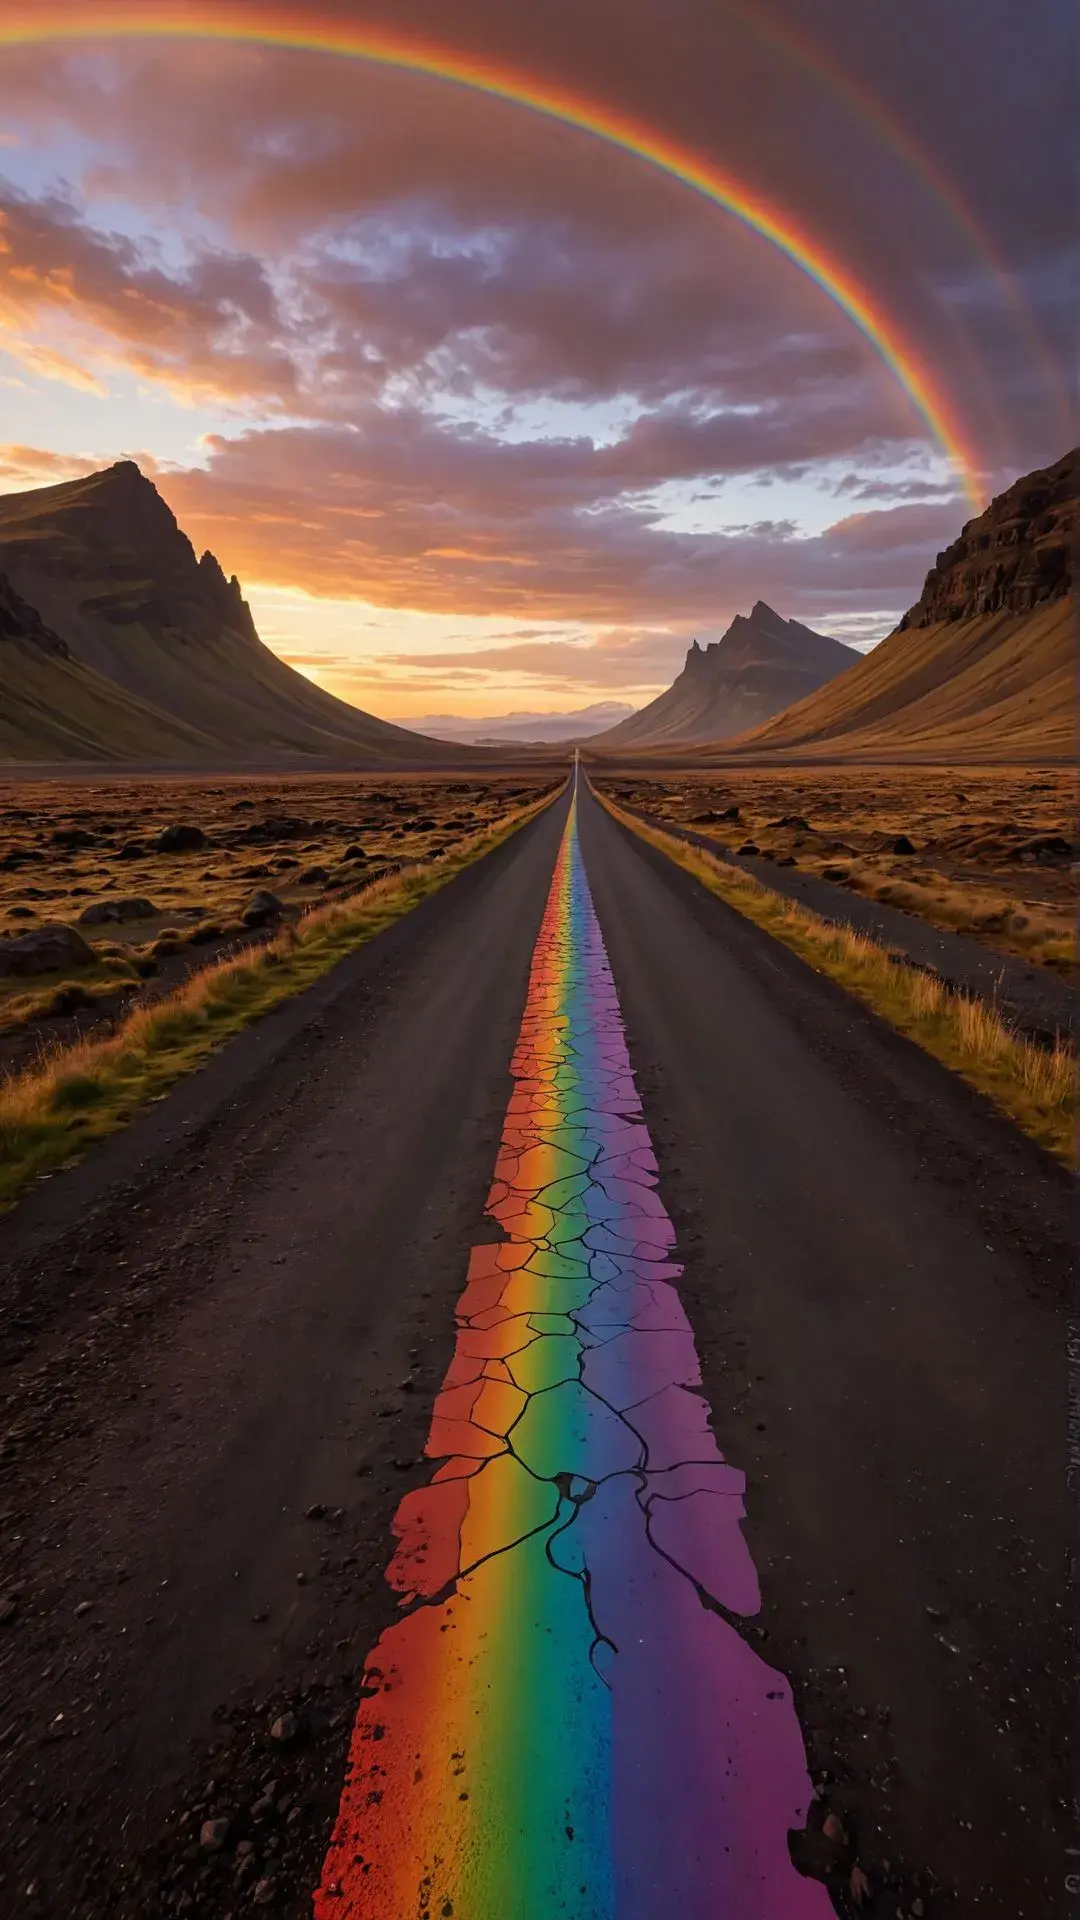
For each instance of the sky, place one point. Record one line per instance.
(488, 412)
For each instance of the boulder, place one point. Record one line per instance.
(278, 826)
(354, 853)
(73, 837)
(104, 913)
(47, 949)
(180, 839)
(261, 909)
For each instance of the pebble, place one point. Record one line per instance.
(833, 1829)
(861, 1889)
(263, 1892)
(213, 1835)
(284, 1729)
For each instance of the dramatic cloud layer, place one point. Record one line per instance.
(442, 357)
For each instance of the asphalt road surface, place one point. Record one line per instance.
(225, 1333)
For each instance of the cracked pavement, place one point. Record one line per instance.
(568, 1721)
(237, 1363)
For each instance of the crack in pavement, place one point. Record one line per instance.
(567, 1720)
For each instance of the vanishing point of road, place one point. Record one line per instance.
(564, 1421)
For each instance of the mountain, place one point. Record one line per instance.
(533, 729)
(118, 643)
(760, 666)
(984, 664)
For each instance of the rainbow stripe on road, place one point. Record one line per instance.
(565, 1725)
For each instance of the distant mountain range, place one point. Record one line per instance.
(117, 643)
(758, 668)
(520, 729)
(984, 664)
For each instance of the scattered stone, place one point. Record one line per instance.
(834, 873)
(354, 853)
(861, 1889)
(9, 1609)
(44, 949)
(182, 838)
(750, 846)
(109, 912)
(261, 909)
(794, 820)
(284, 1729)
(317, 1511)
(72, 837)
(84, 1607)
(314, 876)
(1049, 849)
(787, 860)
(213, 1835)
(134, 850)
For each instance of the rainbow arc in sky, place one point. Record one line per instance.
(55, 21)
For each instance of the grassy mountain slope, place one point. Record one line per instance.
(984, 664)
(158, 655)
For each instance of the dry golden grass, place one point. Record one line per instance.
(310, 822)
(1035, 1086)
(969, 873)
(51, 1114)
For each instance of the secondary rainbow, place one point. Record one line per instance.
(41, 22)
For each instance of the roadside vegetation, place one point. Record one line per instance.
(1035, 1086)
(50, 1115)
(990, 859)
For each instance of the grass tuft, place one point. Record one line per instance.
(1035, 1086)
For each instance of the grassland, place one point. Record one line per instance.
(974, 868)
(73, 1094)
(66, 848)
(1034, 1086)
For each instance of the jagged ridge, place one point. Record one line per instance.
(159, 654)
(758, 668)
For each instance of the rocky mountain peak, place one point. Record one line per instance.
(20, 621)
(1016, 556)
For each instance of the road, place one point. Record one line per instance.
(226, 1333)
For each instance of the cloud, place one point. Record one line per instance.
(38, 466)
(485, 365)
(409, 513)
(73, 298)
